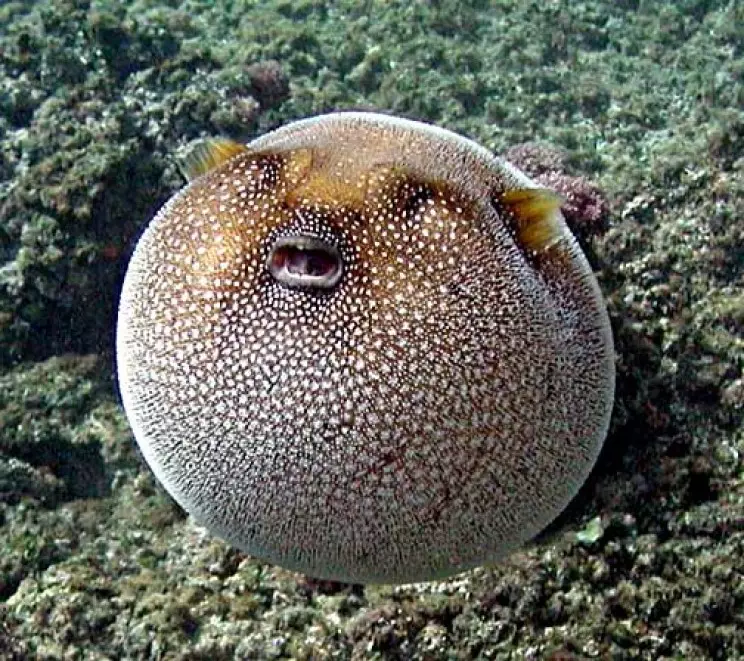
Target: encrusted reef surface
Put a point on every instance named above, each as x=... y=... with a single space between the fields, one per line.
x=98 y=99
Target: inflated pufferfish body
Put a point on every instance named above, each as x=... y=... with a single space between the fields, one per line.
x=366 y=349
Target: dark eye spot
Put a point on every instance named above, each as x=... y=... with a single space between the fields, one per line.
x=305 y=262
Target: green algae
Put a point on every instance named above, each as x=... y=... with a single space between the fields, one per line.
x=97 y=99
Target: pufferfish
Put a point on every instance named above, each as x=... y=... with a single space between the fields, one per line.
x=366 y=349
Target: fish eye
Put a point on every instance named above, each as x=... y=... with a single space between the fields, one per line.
x=305 y=262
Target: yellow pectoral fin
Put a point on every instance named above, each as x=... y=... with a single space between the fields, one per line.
x=210 y=154
x=536 y=216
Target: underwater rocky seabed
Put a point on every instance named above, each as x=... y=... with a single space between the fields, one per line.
x=98 y=99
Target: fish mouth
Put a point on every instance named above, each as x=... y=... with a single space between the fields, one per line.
x=305 y=262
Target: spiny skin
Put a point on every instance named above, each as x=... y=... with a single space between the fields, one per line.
x=434 y=409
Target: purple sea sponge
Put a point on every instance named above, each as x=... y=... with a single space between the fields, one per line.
x=269 y=83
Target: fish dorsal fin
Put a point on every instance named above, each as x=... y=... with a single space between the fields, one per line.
x=210 y=154
x=536 y=216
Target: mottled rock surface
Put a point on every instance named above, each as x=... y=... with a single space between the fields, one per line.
x=643 y=100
